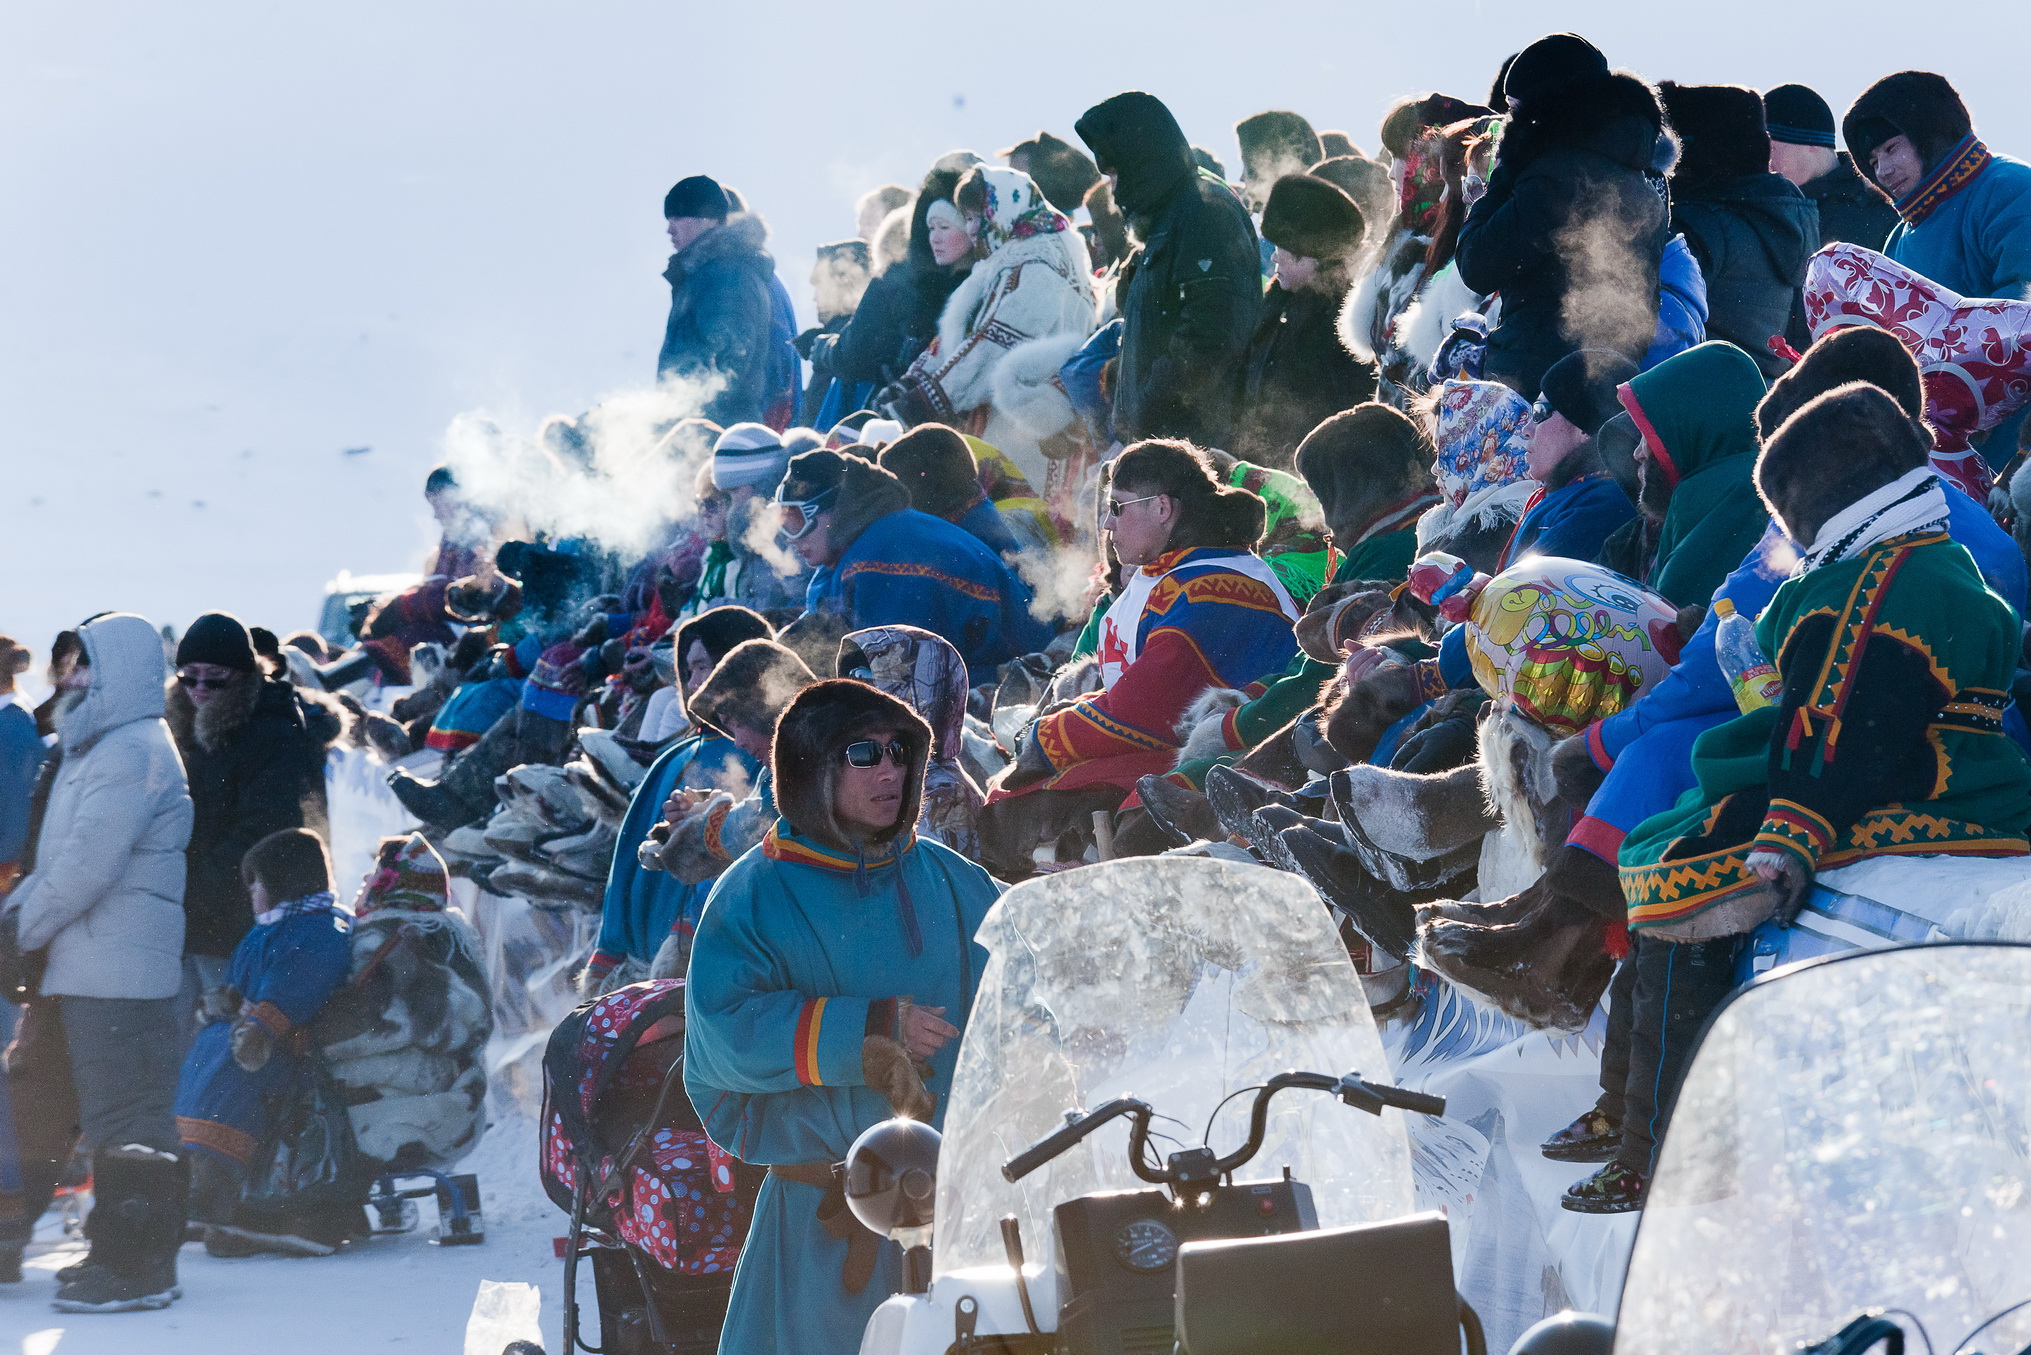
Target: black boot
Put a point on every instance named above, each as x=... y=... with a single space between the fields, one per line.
x=1267 y=825
x=1382 y=915
x=136 y=1226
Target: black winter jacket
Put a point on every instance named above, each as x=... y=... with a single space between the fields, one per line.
x=720 y=315
x=1190 y=294
x=1570 y=231
x=1752 y=236
x=1851 y=210
x=263 y=772
x=896 y=320
x=1294 y=374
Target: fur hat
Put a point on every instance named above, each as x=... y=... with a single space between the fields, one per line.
x=1582 y=385
x=860 y=490
x=748 y=454
x=1277 y=143
x=1061 y=170
x=1860 y=353
x=1364 y=181
x=810 y=749
x=750 y=686
x=1311 y=218
x=697 y=196
x=1797 y=116
x=936 y=466
x=218 y=638
x=1407 y=119
x=1368 y=453
x=1915 y=104
x=1333 y=145
x=1551 y=62
x=1838 y=447
x=719 y=629
x=1721 y=131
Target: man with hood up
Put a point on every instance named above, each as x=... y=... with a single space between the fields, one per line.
x=1573 y=214
x=97 y=1052
x=1191 y=292
x=1751 y=230
x=880 y=562
x=829 y=989
x=723 y=306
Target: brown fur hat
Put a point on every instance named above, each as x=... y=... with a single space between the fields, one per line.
x=750 y=686
x=1838 y=448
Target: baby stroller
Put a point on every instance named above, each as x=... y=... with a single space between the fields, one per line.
x=657 y=1207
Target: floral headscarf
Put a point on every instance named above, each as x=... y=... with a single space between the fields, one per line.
x=1423 y=190
x=925 y=672
x=408 y=874
x=1016 y=209
x=1483 y=433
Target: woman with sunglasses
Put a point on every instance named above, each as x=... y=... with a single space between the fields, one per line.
x=829 y=985
x=1198 y=611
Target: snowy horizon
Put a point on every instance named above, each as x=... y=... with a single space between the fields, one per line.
x=242 y=243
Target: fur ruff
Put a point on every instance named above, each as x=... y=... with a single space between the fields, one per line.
x=1483 y=511
x=810 y=741
x=1380 y=295
x=1026 y=390
x=1199 y=728
x=1038 y=287
x=1428 y=319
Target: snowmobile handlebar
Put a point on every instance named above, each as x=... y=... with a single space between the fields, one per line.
x=1197 y=1165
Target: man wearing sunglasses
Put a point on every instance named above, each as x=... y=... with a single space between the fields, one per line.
x=829 y=986
x=880 y=562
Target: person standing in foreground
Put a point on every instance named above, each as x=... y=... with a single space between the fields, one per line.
x=829 y=987
x=98 y=1047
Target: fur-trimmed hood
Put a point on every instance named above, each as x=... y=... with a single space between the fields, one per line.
x=863 y=491
x=742 y=240
x=1918 y=105
x=751 y=686
x=810 y=748
x=211 y=726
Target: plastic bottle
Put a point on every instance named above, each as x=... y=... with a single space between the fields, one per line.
x=1752 y=676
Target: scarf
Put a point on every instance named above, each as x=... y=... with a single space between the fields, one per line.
x=1955 y=171
x=1483 y=433
x=324 y=902
x=712 y=575
x=1912 y=502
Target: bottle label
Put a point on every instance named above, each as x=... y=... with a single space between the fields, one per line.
x=1757 y=686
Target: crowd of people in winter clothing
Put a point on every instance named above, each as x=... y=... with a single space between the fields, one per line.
x=1370 y=517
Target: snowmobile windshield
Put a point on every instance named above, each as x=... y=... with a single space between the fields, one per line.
x=1851 y=1136
x=1177 y=980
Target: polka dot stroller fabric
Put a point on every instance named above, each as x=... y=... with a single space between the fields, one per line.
x=605 y=1071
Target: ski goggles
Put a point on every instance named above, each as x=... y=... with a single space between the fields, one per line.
x=801 y=515
x=869 y=753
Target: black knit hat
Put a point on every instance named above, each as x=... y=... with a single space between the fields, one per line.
x=1582 y=385
x=1279 y=141
x=1721 y=130
x=1797 y=116
x=937 y=467
x=1918 y=105
x=218 y=638
x=1551 y=62
x=696 y=196
x=1311 y=218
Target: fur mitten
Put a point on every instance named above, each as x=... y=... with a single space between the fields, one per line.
x=888 y=1068
x=1574 y=770
x=222 y=1003
x=252 y=1044
x=1202 y=730
x=673 y=957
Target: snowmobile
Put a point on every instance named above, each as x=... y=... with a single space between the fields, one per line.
x=1849 y=1165
x=1161 y=992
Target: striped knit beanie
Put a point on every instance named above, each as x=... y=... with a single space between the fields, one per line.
x=748 y=454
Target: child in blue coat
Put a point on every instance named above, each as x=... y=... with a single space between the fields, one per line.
x=242 y=1069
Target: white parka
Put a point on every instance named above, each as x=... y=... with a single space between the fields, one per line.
x=106 y=895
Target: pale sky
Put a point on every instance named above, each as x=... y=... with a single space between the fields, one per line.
x=239 y=239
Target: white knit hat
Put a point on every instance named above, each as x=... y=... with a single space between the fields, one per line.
x=748 y=454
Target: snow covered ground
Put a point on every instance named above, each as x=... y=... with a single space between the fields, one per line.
x=396 y=1292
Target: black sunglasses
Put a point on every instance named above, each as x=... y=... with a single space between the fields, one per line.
x=203 y=684
x=868 y=753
